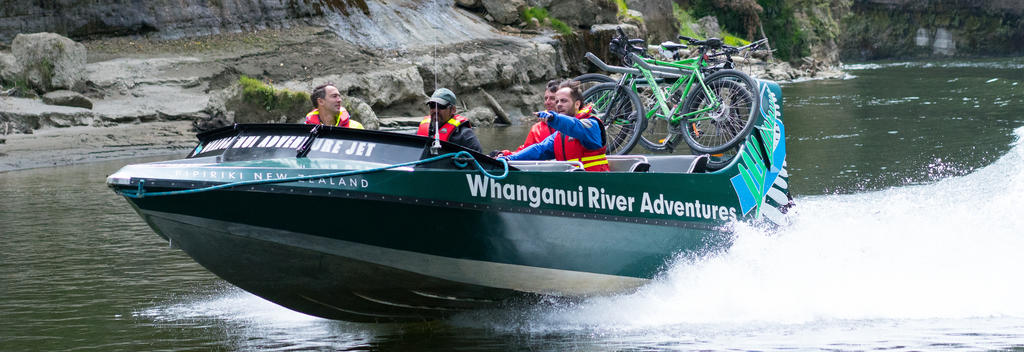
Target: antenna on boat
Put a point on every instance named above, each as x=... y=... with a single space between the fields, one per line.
x=435 y=148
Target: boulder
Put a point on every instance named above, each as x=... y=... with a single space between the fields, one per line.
x=360 y=111
x=539 y=3
x=50 y=61
x=9 y=68
x=584 y=13
x=469 y=4
x=504 y=11
x=708 y=27
x=661 y=23
x=635 y=18
x=480 y=116
x=67 y=98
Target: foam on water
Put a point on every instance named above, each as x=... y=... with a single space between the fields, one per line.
x=945 y=250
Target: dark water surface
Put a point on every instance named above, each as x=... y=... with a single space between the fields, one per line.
x=907 y=236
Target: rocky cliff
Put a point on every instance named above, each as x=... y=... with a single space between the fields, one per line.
x=167 y=18
x=878 y=29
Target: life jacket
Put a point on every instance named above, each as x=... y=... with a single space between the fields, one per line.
x=571 y=149
x=538 y=133
x=445 y=129
x=313 y=118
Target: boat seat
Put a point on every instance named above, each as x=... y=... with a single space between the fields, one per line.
x=546 y=165
x=628 y=163
x=678 y=163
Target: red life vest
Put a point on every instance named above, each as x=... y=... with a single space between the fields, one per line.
x=538 y=133
x=445 y=130
x=571 y=149
x=313 y=118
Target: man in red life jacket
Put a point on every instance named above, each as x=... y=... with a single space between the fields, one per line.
x=540 y=130
x=327 y=109
x=453 y=127
x=579 y=135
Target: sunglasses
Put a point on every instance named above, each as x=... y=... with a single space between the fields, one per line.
x=437 y=106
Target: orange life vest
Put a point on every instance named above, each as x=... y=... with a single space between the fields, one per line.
x=445 y=130
x=571 y=149
x=538 y=132
x=313 y=118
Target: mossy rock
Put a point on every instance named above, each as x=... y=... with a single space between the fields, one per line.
x=259 y=102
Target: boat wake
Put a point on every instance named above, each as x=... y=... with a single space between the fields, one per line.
x=944 y=250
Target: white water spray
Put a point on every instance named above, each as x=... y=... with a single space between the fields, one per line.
x=946 y=250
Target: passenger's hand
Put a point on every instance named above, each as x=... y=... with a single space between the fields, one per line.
x=545 y=115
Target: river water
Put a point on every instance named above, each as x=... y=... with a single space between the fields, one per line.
x=907 y=235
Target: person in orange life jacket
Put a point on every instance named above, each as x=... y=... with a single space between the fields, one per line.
x=540 y=130
x=579 y=135
x=327 y=109
x=453 y=127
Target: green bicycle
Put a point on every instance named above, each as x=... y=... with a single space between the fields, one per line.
x=717 y=113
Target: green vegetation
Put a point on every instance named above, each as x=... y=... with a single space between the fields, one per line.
x=261 y=94
x=733 y=40
x=541 y=14
x=778 y=20
x=624 y=11
x=20 y=86
x=686 y=20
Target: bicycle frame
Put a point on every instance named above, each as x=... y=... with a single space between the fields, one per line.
x=686 y=83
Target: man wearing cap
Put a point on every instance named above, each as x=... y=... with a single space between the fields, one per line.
x=327 y=109
x=579 y=135
x=453 y=128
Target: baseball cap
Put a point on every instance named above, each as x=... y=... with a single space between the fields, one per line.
x=442 y=96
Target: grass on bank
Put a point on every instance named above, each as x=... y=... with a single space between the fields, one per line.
x=541 y=14
x=687 y=22
x=261 y=94
x=624 y=11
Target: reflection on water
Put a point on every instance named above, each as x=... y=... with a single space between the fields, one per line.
x=907 y=235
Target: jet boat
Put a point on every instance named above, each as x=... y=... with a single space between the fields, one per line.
x=375 y=226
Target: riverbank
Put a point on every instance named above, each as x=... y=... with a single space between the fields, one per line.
x=83 y=144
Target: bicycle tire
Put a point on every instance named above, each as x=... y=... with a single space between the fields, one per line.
x=721 y=128
x=621 y=113
x=589 y=80
x=660 y=134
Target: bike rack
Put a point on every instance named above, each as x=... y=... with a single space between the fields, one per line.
x=657 y=71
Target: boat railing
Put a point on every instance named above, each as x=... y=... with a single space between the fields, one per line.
x=628 y=163
x=546 y=165
x=678 y=163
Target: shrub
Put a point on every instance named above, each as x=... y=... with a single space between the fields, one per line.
x=541 y=14
x=261 y=94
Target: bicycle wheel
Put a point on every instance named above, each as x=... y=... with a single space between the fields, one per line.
x=659 y=134
x=588 y=80
x=729 y=120
x=621 y=113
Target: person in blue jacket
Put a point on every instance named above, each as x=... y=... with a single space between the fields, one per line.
x=579 y=134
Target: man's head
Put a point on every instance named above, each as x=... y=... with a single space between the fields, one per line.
x=442 y=104
x=549 y=94
x=327 y=99
x=568 y=98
